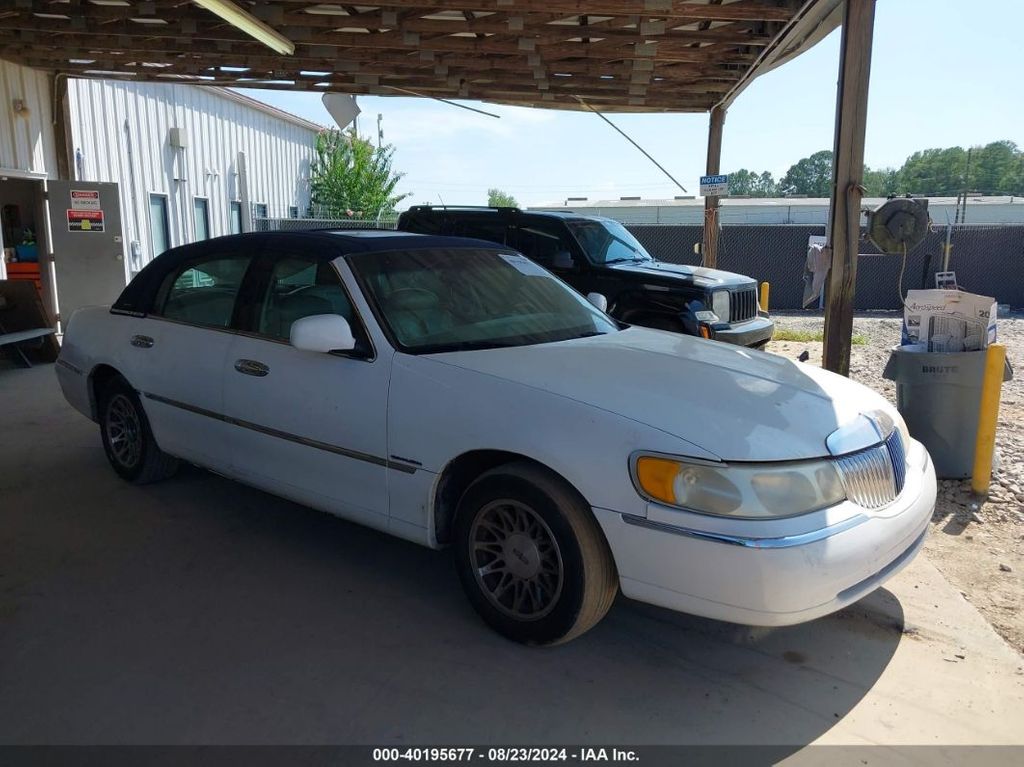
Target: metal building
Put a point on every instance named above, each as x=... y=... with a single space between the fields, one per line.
x=145 y=167
x=779 y=210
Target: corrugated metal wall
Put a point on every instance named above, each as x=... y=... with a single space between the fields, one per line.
x=26 y=138
x=121 y=132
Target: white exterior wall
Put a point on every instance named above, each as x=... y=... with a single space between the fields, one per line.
x=216 y=128
x=26 y=138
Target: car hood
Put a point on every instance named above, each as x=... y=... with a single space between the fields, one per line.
x=739 y=404
x=696 y=275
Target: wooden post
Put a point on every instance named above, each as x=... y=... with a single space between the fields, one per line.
x=61 y=128
x=847 y=180
x=710 y=255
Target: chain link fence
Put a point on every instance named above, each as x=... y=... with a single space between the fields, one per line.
x=987 y=259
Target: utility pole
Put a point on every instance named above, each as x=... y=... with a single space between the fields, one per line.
x=962 y=211
x=380 y=131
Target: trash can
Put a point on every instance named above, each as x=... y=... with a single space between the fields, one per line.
x=939 y=394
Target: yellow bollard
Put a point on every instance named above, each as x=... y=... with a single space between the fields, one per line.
x=765 y=288
x=988 y=415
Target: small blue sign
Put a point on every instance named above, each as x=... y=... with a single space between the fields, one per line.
x=709 y=180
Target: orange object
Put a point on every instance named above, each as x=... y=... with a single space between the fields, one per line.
x=25 y=270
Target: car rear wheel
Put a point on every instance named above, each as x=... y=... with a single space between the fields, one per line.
x=128 y=440
x=531 y=557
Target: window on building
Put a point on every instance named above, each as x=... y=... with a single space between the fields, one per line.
x=201 y=218
x=159 y=223
x=235 y=216
x=293 y=211
x=259 y=209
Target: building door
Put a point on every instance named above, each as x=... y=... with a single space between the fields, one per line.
x=88 y=250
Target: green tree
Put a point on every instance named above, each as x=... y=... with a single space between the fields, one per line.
x=747 y=183
x=351 y=177
x=995 y=168
x=811 y=176
x=934 y=172
x=499 y=199
x=881 y=182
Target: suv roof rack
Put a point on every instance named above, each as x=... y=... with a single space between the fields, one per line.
x=462 y=207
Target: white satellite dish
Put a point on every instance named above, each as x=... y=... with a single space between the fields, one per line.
x=342 y=108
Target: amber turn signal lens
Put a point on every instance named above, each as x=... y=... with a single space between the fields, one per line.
x=656 y=477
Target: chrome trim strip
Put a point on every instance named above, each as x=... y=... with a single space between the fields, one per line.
x=316 y=444
x=781 y=542
x=69 y=366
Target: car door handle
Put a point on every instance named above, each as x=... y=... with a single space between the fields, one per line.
x=251 y=368
x=143 y=342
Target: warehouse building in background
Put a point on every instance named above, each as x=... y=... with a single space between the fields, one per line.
x=780 y=210
x=125 y=170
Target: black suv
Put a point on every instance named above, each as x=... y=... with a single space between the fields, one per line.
x=599 y=255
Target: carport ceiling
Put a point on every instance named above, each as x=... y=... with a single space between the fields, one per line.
x=617 y=55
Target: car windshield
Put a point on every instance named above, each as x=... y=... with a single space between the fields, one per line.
x=607 y=242
x=440 y=300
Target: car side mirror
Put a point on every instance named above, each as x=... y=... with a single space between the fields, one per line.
x=598 y=300
x=563 y=260
x=322 y=333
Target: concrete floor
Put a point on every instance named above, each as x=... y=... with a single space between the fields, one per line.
x=201 y=611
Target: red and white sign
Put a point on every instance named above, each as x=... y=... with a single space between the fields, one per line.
x=85 y=199
x=85 y=220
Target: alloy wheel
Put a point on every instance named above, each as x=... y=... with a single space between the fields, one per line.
x=124 y=431
x=516 y=560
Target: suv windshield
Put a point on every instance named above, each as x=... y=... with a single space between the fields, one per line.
x=607 y=242
x=453 y=299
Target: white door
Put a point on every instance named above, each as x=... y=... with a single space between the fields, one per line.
x=88 y=252
x=305 y=425
x=179 y=354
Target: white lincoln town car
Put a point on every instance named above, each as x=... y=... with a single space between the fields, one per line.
x=453 y=393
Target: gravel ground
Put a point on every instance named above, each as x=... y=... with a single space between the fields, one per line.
x=978 y=545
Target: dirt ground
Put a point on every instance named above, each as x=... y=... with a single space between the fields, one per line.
x=977 y=545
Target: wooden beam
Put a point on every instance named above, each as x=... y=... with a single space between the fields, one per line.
x=62 y=139
x=848 y=180
x=709 y=257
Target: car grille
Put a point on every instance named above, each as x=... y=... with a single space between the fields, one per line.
x=743 y=305
x=874 y=477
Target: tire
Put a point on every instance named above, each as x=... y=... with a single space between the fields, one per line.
x=127 y=438
x=549 y=574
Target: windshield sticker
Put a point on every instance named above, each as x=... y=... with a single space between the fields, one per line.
x=523 y=264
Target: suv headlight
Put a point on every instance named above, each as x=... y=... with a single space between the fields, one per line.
x=720 y=304
x=741 y=490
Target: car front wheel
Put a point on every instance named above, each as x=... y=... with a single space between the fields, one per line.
x=531 y=556
x=127 y=439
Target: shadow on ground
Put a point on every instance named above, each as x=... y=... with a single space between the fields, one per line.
x=201 y=611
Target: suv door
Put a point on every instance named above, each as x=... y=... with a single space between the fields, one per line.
x=178 y=352
x=547 y=241
x=309 y=426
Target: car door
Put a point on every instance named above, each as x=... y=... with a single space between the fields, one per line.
x=179 y=351
x=305 y=425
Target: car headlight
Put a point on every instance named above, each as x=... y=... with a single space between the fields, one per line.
x=743 y=490
x=720 y=304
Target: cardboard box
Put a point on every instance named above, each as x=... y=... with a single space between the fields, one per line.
x=948 y=320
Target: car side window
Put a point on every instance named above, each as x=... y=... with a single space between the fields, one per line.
x=302 y=287
x=547 y=243
x=203 y=291
x=492 y=230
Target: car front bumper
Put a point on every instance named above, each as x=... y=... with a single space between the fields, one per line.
x=768 y=578
x=755 y=332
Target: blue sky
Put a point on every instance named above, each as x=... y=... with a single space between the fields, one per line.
x=944 y=73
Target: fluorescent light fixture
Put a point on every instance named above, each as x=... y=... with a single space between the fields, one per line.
x=246 y=22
